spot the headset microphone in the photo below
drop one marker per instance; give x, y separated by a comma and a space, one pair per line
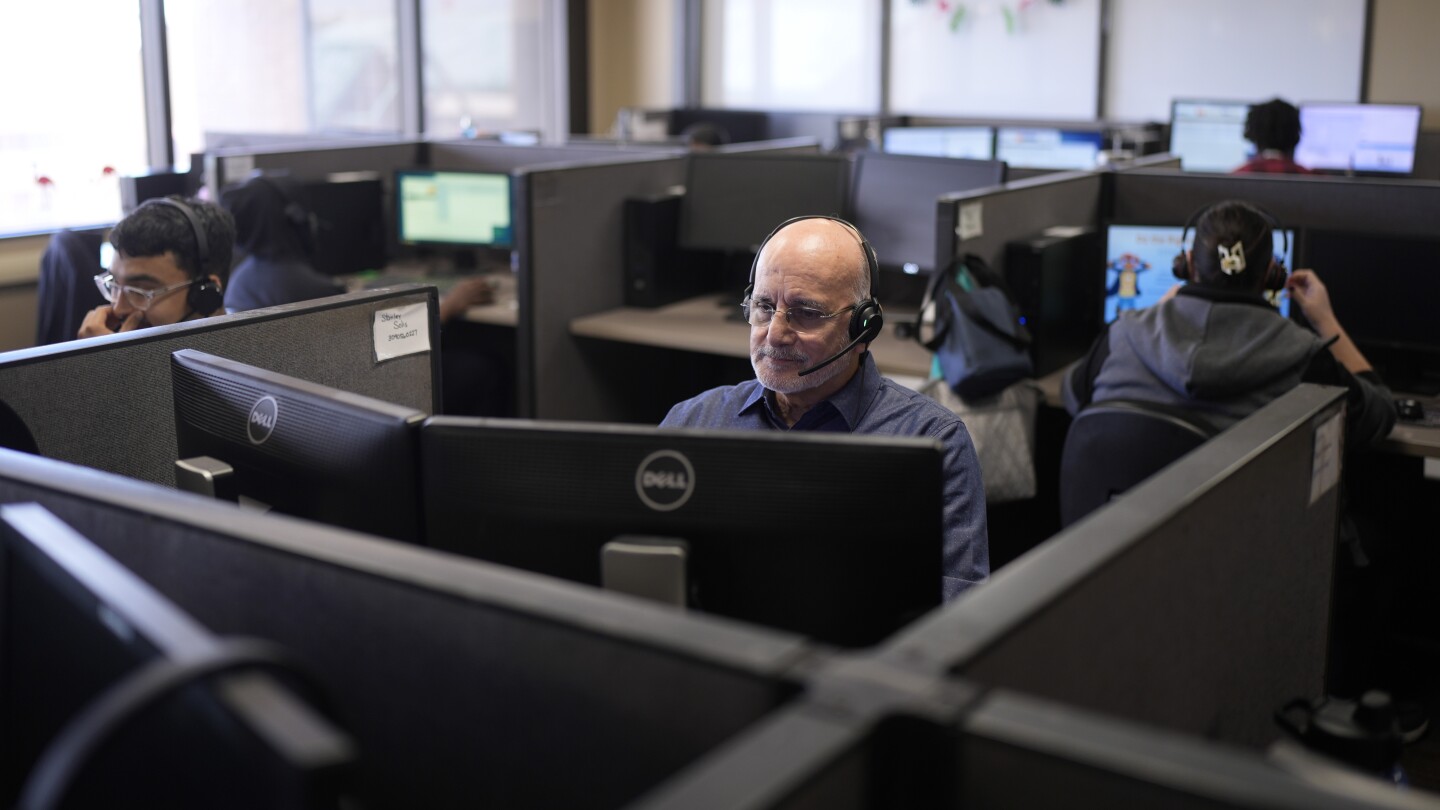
833, 357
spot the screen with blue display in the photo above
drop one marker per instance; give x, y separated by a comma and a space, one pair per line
1048, 148
1138, 260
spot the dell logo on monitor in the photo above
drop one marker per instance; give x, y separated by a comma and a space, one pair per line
665, 480
262, 420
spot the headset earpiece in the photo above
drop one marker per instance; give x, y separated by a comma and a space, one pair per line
866, 321
1180, 265
204, 296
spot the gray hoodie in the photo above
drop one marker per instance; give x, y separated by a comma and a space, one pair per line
1221, 354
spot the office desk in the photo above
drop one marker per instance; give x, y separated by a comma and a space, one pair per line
699, 325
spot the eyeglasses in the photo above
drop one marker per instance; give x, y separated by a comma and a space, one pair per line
136, 297
802, 319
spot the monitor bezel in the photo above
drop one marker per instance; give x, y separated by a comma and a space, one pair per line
399, 214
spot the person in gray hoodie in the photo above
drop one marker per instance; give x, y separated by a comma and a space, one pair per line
1218, 348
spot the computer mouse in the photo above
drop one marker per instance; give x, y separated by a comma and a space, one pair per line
1409, 410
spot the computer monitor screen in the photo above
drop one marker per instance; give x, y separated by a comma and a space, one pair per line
895, 200
733, 200
1138, 261
1209, 136
349, 224
453, 208
832, 535
1359, 137
300, 448
1384, 289
1048, 148
976, 143
78, 629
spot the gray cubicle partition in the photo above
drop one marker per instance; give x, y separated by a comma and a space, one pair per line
569, 233
799, 145
967, 749
1378, 207
498, 157
464, 684
311, 161
106, 402
1017, 210
1198, 601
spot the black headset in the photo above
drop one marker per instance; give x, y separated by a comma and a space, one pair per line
867, 319
204, 296
1274, 274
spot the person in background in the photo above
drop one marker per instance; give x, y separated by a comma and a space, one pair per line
704, 137
811, 319
172, 258
276, 235
1274, 128
67, 290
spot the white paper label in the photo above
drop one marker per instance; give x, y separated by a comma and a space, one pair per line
1432, 468
401, 331
1325, 466
972, 221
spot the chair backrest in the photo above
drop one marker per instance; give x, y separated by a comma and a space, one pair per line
67, 287
1116, 444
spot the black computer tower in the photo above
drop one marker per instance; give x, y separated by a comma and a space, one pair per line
1058, 279
657, 271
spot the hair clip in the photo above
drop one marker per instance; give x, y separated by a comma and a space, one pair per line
1232, 260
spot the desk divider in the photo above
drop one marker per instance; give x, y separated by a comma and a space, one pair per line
498, 157
570, 238
1019, 210
1198, 601
798, 145
1379, 207
464, 684
106, 402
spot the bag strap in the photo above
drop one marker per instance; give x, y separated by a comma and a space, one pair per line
986, 277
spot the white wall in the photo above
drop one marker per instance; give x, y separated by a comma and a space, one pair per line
1300, 50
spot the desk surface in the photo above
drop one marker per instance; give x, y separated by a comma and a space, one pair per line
503, 311
1415, 439
700, 325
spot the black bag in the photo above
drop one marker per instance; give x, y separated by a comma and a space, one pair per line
978, 336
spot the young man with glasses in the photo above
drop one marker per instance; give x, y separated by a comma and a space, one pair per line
811, 319
171, 261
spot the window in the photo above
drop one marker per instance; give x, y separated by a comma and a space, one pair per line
792, 54
485, 65
280, 67
74, 112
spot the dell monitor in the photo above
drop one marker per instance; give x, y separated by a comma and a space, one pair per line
86, 647
1139, 258
973, 142
465, 209
733, 200
1209, 136
1362, 138
832, 535
895, 203
1048, 148
296, 447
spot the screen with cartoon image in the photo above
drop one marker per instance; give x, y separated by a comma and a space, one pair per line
1138, 260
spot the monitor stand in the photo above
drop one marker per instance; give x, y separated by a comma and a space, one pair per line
206, 476
651, 568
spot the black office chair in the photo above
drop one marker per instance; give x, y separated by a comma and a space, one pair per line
1116, 444
67, 285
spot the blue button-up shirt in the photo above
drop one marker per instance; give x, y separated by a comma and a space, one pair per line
871, 404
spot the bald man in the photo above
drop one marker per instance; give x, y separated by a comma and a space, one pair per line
811, 275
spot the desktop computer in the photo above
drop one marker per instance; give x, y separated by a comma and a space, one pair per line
1057, 289
657, 271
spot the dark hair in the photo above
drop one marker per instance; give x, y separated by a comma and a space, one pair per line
269, 221
154, 229
1273, 125
1226, 223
